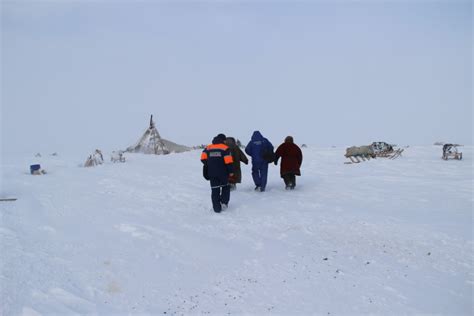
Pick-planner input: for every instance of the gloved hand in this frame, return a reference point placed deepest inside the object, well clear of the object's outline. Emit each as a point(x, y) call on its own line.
point(232, 178)
point(276, 162)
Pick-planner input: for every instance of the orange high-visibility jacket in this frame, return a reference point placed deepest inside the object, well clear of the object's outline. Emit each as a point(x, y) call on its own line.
point(217, 159)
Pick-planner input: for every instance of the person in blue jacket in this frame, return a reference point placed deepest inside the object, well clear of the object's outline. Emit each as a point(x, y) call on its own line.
point(217, 168)
point(261, 151)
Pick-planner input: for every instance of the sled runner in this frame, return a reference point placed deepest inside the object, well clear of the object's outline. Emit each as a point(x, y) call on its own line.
point(397, 153)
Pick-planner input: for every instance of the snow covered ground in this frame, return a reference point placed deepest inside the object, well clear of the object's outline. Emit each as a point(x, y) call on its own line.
point(380, 237)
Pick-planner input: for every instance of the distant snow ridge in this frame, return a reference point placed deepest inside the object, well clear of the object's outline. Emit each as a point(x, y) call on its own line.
point(152, 143)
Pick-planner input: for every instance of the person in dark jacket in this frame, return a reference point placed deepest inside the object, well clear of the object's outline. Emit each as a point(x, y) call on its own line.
point(261, 151)
point(238, 156)
point(217, 168)
point(291, 159)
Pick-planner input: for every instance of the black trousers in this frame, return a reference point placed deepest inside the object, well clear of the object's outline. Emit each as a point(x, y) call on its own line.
point(220, 194)
point(290, 179)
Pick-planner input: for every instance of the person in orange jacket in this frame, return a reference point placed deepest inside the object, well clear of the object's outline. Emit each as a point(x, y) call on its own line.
point(218, 168)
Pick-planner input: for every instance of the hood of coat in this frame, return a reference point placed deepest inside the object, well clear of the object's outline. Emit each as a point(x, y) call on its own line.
point(257, 136)
point(230, 141)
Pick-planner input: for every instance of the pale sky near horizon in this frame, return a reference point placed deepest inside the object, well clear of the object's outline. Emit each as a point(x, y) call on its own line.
point(87, 74)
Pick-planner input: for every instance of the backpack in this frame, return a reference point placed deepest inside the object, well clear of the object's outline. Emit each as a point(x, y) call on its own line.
point(268, 155)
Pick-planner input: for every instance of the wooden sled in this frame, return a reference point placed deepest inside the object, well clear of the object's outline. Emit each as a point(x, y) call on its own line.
point(450, 151)
point(390, 155)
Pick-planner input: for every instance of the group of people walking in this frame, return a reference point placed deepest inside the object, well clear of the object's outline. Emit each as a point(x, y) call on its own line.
point(221, 165)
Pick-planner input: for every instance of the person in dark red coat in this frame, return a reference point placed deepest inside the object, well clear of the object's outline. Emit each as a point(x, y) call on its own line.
point(291, 159)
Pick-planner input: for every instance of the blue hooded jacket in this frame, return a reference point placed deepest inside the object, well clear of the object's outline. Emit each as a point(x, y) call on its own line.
point(256, 147)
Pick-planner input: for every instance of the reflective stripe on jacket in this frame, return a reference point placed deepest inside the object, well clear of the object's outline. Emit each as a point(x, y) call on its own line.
point(219, 161)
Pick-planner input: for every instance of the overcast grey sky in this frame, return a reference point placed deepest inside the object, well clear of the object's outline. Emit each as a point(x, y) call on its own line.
point(89, 73)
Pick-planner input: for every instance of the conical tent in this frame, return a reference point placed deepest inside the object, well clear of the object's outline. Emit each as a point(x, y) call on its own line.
point(152, 143)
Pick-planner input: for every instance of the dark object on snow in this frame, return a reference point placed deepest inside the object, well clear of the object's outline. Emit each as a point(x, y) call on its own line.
point(451, 151)
point(7, 199)
point(36, 170)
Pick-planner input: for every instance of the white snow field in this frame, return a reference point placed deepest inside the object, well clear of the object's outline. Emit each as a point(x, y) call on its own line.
point(383, 237)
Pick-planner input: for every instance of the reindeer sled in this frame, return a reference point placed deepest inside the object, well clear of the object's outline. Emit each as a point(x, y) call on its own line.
point(385, 150)
point(376, 149)
point(451, 151)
